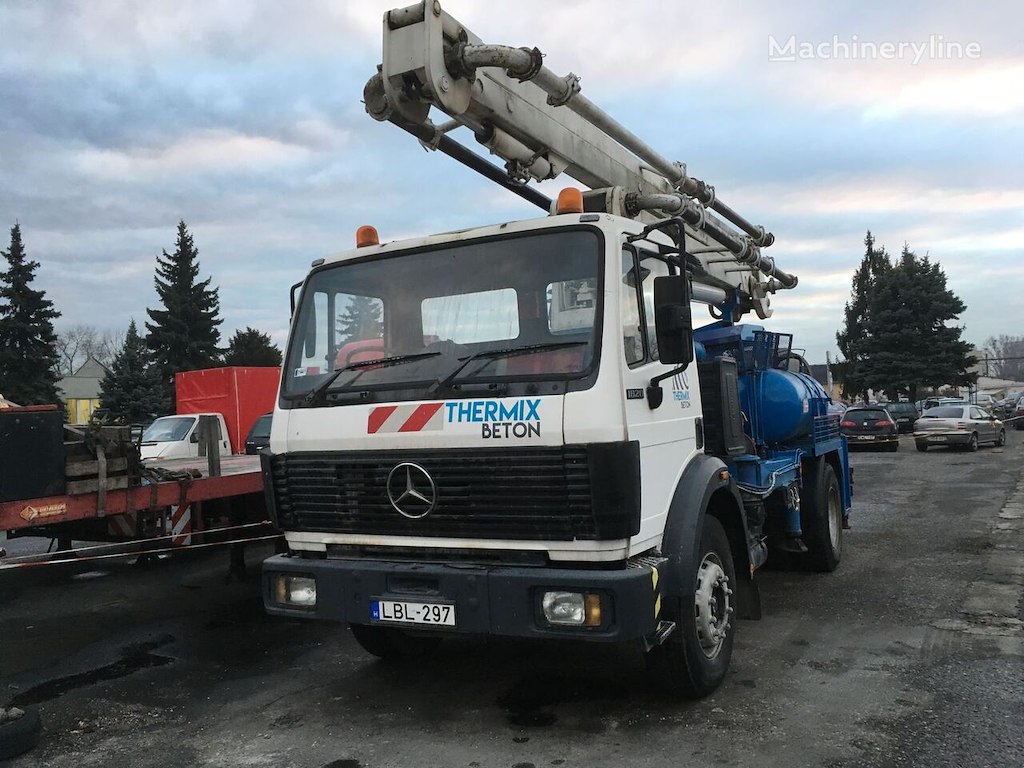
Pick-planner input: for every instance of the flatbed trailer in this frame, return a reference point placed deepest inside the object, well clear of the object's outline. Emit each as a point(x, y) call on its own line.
point(179, 503)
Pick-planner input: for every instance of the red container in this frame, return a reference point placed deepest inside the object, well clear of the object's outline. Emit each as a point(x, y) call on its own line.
point(242, 394)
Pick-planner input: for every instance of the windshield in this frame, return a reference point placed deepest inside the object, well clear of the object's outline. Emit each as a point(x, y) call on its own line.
point(859, 416)
point(262, 427)
point(944, 412)
point(168, 429)
point(503, 311)
point(901, 408)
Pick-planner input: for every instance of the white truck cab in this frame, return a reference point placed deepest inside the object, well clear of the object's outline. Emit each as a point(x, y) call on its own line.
point(515, 429)
point(177, 437)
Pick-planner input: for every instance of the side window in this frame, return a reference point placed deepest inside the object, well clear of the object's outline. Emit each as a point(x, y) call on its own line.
point(314, 346)
point(632, 333)
point(570, 305)
point(468, 318)
point(976, 413)
point(651, 268)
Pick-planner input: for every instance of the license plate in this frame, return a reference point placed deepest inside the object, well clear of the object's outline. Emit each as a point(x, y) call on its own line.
point(401, 612)
point(939, 439)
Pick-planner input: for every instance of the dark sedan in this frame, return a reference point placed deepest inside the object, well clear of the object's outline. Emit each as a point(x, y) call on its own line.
point(904, 414)
point(869, 426)
point(259, 435)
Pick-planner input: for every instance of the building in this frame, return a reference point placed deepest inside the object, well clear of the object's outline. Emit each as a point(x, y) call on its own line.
point(81, 391)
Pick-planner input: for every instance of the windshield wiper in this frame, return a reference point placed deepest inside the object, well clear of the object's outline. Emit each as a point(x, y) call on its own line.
point(314, 395)
point(503, 352)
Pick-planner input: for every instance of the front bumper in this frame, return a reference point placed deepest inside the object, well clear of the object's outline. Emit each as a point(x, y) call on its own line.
point(493, 600)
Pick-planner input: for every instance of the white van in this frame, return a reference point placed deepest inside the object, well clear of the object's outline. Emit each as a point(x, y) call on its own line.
point(177, 437)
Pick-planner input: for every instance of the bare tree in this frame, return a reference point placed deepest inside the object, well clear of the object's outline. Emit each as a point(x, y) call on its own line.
point(1004, 357)
point(77, 343)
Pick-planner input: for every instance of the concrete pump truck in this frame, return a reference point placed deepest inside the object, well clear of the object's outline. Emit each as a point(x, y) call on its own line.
point(516, 429)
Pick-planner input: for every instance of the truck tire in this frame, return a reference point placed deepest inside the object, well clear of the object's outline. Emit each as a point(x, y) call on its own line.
point(392, 643)
point(694, 659)
point(19, 736)
point(821, 517)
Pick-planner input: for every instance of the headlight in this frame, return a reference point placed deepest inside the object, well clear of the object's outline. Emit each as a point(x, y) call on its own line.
point(298, 591)
point(572, 609)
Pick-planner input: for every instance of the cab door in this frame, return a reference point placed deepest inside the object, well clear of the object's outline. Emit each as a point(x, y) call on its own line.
point(666, 434)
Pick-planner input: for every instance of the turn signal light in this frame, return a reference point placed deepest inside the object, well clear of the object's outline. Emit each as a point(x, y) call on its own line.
point(366, 235)
point(570, 200)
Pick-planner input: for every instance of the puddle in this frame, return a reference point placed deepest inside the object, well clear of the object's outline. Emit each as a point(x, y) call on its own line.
point(133, 658)
point(528, 703)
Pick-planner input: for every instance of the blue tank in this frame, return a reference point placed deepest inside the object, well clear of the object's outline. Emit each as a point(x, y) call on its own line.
point(781, 405)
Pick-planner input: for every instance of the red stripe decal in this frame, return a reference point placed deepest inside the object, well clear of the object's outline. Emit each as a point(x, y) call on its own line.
point(378, 416)
point(420, 417)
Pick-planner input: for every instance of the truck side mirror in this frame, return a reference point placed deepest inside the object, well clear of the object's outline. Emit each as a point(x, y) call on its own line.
point(673, 319)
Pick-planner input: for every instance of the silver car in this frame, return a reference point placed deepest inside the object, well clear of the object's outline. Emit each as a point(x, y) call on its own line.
point(963, 426)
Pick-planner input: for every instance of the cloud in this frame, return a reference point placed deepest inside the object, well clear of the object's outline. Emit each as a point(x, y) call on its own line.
point(244, 119)
point(990, 92)
point(206, 151)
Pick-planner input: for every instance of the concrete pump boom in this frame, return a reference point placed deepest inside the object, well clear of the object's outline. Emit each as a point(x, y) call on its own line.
point(542, 126)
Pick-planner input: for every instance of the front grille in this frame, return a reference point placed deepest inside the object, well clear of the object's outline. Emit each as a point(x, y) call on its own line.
point(525, 494)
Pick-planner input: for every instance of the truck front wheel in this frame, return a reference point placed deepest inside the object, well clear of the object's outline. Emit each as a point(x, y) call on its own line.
point(694, 659)
point(392, 643)
point(821, 517)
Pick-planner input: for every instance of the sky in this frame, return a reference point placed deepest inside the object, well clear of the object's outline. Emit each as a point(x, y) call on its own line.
point(244, 119)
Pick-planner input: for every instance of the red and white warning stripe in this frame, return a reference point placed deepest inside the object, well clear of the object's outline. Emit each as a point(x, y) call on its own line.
point(123, 525)
point(405, 418)
point(181, 526)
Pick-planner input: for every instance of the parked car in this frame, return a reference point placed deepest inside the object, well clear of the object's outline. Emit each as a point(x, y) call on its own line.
point(1003, 407)
point(905, 414)
point(1017, 414)
point(935, 402)
point(984, 399)
point(870, 425)
point(259, 435)
point(836, 408)
point(962, 426)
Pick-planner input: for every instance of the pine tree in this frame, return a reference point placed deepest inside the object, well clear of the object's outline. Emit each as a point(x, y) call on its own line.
point(28, 353)
point(131, 389)
point(853, 337)
point(909, 337)
point(183, 335)
point(360, 320)
point(252, 347)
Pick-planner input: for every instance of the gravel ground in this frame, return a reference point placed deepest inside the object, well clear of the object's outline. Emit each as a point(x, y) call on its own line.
point(911, 654)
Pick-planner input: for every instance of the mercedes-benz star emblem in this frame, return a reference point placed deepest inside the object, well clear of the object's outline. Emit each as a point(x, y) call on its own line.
point(411, 490)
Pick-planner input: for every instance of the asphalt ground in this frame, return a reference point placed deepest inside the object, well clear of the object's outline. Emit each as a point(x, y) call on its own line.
point(910, 654)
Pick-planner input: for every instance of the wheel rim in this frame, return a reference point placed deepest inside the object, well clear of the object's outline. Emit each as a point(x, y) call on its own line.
point(974, 442)
point(835, 519)
point(712, 605)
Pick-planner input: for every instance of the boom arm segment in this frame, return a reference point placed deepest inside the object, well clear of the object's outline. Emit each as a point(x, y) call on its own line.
point(542, 126)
